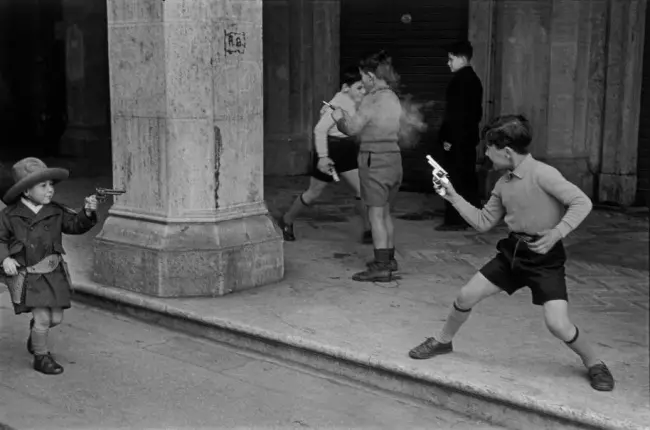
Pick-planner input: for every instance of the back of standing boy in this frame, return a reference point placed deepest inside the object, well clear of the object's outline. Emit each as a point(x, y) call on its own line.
point(531, 198)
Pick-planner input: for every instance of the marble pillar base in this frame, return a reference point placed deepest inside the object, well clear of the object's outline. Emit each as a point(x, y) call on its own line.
point(188, 259)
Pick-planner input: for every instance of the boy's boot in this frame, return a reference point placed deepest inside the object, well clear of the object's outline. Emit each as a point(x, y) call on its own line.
point(378, 270)
point(392, 262)
point(44, 363)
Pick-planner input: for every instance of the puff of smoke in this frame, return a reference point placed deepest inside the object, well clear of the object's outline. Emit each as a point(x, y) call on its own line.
point(412, 123)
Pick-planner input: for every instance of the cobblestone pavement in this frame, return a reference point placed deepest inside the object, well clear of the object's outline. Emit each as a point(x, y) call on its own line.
point(505, 345)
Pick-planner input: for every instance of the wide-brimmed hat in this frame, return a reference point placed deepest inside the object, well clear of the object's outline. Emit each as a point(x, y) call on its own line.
point(28, 172)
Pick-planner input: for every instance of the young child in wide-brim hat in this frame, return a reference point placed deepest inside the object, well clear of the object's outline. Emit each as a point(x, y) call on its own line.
point(31, 250)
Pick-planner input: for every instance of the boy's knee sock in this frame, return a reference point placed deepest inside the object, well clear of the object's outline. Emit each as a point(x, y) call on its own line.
point(39, 340)
point(581, 346)
point(455, 320)
point(298, 205)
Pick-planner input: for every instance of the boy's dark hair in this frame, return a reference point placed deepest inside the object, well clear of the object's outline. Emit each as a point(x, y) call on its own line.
point(513, 131)
point(381, 65)
point(350, 75)
point(462, 48)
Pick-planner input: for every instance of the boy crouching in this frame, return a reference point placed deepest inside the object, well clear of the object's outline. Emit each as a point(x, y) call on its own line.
point(531, 198)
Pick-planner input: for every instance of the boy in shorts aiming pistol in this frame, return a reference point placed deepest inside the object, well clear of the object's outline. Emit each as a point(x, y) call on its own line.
point(531, 198)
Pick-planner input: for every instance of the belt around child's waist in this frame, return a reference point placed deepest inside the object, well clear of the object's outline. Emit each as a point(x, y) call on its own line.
point(524, 237)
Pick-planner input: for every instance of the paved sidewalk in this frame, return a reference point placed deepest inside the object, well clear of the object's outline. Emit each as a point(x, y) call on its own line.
point(123, 374)
point(504, 351)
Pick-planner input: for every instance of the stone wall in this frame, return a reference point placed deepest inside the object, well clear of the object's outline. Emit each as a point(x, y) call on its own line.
point(574, 69)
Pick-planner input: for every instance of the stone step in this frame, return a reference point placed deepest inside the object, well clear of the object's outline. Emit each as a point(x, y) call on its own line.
point(490, 404)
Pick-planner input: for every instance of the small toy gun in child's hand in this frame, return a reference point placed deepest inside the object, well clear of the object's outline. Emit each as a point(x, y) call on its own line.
point(103, 193)
point(335, 175)
point(440, 176)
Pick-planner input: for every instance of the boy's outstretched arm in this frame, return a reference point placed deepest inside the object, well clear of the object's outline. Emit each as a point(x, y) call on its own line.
point(77, 222)
point(481, 219)
point(572, 197)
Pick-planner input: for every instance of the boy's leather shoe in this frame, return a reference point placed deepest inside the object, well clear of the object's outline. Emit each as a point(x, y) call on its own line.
point(46, 364)
point(601, 378)
point(392, 265)
point(377, 272)
point(430, 348)
point(287, 230)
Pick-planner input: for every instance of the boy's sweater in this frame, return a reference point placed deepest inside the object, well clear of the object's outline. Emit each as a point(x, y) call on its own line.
point(532, 198)
point(376, 122)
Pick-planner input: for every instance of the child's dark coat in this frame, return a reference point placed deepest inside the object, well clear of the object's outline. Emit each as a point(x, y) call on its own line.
point(28, 238)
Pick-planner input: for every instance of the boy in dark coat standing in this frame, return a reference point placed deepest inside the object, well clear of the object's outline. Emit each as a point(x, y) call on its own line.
point(31, 250)
point(459, 134)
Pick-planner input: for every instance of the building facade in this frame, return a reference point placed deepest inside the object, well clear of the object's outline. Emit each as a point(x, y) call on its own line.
point(577, 69)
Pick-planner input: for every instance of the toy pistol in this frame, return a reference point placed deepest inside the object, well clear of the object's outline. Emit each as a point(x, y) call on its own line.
point(103, 193)
point(440, 176)
point(335, 175)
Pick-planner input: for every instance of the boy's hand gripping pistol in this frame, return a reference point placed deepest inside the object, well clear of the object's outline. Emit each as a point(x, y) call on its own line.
point(103, 193)
point(440, 176)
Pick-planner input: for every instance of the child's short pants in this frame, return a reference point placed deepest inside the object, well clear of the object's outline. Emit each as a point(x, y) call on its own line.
point(380, 174)
point(515, 266)
point(343, 152)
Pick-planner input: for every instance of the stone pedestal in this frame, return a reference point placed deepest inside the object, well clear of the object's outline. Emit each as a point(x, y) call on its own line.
point(87, 89)
point(187, 137)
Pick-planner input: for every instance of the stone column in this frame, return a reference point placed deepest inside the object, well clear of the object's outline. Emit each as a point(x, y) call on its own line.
point(186, 103)
point(577, 67)
point(617, 180)
point(84, 31)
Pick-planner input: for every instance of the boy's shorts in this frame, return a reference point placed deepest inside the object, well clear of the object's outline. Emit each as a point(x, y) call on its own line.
point(380, 174)
point(343, 152)
point(516, 266)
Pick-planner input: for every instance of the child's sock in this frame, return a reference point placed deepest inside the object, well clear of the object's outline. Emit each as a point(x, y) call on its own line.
point(297, 207)
point(455, 320)
point(391, 253)
point(39, 341)
point(581, 346)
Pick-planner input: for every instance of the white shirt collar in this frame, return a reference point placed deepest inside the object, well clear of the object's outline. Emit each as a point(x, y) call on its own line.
point(34, 208)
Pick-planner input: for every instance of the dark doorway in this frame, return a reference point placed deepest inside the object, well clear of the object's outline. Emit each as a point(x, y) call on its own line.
point(414, 32)
point(32, 79)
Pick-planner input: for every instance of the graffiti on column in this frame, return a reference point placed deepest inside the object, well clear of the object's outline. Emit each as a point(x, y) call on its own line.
point(234, 42)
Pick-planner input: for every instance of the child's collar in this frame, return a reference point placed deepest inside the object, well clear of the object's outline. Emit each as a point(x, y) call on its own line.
point(31, 205)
